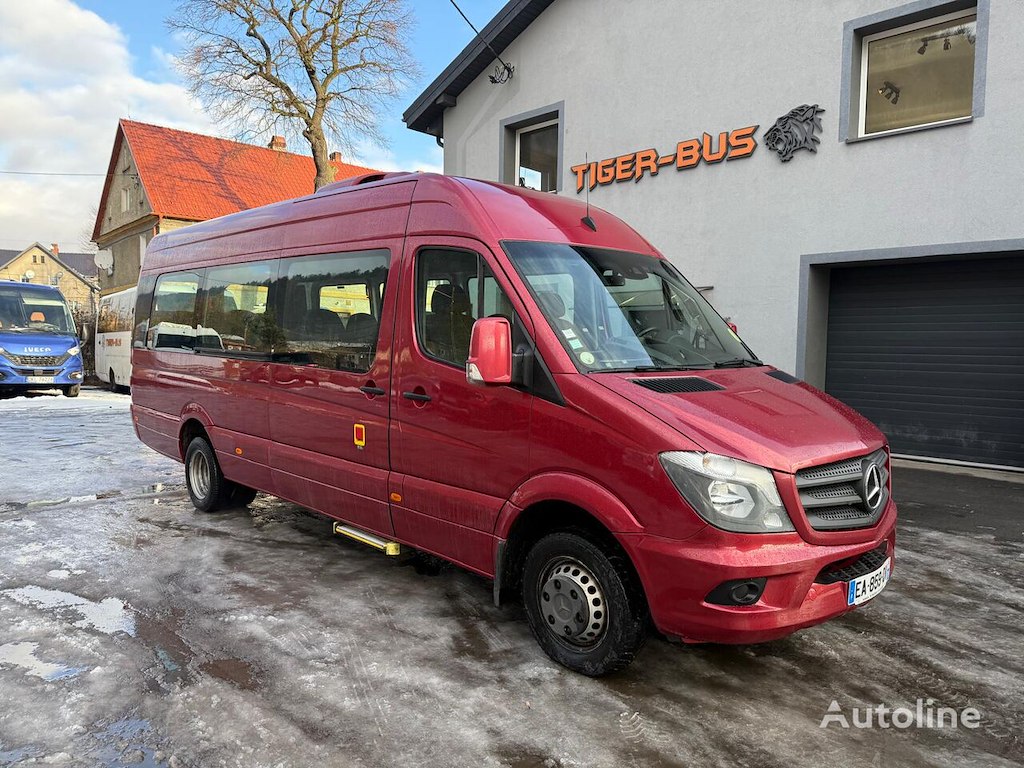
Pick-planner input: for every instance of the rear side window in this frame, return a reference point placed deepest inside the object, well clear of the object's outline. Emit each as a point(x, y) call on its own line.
point(235, 302)
point(331, 309)
point(172, 323)
point(143, 306)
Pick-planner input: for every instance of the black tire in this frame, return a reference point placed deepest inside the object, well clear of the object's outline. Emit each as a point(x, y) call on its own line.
point(73, 390)
point(241, 495)
point(567, 574)
point(207, 486)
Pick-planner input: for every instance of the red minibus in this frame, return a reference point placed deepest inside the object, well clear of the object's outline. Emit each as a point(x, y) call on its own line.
point(522, 386)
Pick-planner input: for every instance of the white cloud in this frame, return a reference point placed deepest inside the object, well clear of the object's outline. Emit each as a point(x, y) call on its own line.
point(385, 160)
point(63, 87)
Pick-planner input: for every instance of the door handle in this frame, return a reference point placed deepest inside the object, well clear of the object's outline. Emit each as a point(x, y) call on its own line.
point(372, 391)
point(420, 397)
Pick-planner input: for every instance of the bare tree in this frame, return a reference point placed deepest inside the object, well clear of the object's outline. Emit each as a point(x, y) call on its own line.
point(323, 68)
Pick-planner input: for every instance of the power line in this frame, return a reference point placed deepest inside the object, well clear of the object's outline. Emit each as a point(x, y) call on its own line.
point(61, 173)
point(499, 75)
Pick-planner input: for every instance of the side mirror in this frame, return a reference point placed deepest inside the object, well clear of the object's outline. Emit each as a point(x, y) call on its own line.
point(85, 333)
point(490, 352)
point(732, 326)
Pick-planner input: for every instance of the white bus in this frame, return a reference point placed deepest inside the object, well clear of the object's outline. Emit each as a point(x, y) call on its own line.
point(114, 338)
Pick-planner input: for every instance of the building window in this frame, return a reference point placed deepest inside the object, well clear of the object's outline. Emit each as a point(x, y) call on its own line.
point(126, 199)
point(914, 67)
point(530, 148)
point(34, 258)
point(918, 75)
point(55, 280)
point(537, 156)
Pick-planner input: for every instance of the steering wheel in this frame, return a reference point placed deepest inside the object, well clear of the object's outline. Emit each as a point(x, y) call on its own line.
point(645, 331)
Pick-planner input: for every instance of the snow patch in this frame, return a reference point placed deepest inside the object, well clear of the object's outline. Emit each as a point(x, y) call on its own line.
point(109, 615)
point(23, 656)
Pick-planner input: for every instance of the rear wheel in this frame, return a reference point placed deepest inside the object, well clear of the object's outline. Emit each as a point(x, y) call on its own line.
point(583, 605)
point(207, 486)
point(73, 390)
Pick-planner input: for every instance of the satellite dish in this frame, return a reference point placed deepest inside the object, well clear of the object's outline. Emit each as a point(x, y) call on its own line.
point(103, 259)
point(30, 274)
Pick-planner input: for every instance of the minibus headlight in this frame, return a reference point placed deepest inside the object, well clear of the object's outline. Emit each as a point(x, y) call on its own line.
point(73, 351)
point(728, 493)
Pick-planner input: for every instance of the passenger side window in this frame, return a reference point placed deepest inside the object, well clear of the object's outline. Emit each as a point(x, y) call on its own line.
point(454, 289)
point(332, 309)
point(235, 316)
point(172, 323)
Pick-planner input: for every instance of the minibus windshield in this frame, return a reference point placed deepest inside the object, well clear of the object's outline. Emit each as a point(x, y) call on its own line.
point(620, 311)
point(33, 312)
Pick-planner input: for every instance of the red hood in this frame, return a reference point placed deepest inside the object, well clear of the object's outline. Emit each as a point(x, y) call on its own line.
point(756, 417)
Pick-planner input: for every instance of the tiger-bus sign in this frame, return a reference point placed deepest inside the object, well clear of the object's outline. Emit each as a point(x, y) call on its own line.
point(728, 145)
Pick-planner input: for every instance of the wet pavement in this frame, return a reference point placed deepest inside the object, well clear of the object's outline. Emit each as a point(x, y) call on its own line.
point(135, 631)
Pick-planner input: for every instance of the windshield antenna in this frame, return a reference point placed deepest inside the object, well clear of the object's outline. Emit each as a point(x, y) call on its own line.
point(587, 221)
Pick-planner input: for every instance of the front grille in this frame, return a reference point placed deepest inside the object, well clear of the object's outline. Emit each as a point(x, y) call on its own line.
point(679, 384)
point(834, 496)
point(844, 570)
point(36, 361)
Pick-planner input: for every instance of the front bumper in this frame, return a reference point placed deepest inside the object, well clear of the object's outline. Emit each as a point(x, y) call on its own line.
point(15, 376)
point(678, 576)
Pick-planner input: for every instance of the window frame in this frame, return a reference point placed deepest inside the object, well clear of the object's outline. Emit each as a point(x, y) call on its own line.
point(420, 318)
point(509, 129)
point(530, 128)
point(855, 30)
point(865, 42)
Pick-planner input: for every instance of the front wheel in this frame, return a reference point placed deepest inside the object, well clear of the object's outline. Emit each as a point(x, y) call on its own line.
point(583, 604)
point(207, 486)
point(73, 390)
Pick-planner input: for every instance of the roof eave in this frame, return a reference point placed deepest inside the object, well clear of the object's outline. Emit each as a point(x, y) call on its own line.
point(425, 114)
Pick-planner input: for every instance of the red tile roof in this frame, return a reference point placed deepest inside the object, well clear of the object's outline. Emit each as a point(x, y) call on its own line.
point(194, 177)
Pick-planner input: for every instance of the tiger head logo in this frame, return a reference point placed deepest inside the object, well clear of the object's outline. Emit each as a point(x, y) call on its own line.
point(795, 130)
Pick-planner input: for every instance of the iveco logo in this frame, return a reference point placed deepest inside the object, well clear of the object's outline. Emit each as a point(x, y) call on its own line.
point(872, 487)
point(37, 350)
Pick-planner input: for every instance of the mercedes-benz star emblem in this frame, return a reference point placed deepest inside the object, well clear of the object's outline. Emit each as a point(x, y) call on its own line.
point(872, 487)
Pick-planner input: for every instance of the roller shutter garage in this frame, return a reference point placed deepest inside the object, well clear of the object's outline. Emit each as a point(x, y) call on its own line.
point(933, 353)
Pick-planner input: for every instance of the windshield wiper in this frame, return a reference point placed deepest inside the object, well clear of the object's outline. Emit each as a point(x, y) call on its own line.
point(652, 368)
point(739, 362)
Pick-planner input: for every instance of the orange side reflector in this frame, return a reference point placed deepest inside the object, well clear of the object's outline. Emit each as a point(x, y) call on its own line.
point(396, 497)
point(359, 434)
point(238, 451)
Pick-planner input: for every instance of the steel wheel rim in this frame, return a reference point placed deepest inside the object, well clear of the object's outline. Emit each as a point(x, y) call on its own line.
point(572, 603)
point(199, 475)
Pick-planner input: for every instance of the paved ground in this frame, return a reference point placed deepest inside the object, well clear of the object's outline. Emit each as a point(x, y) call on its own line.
point(136, 631)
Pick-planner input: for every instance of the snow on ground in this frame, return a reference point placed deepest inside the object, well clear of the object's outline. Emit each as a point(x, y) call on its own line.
point(137, 631)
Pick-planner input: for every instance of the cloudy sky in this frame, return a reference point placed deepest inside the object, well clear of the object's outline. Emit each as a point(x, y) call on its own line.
point(69, 69)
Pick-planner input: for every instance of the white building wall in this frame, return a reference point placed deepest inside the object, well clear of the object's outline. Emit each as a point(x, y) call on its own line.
point(649, 74)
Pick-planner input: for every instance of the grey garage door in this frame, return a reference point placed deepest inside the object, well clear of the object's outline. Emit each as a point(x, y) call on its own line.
point(934, 354)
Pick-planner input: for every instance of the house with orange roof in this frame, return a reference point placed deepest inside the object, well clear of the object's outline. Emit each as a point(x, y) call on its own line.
point(160, 179)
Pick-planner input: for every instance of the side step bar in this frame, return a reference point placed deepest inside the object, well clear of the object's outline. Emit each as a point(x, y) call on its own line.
point(392, 548)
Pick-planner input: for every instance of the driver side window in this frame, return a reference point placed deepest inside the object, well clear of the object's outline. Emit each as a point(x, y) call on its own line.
point(454, 289)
